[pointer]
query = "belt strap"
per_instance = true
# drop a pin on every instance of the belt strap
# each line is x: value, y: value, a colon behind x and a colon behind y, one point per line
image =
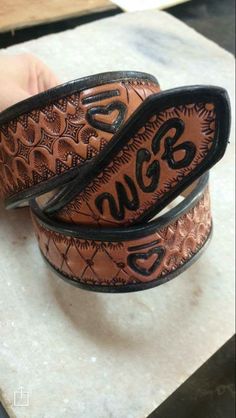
x: 128, y: 259
x: 172, y: 139
x: 45, y: 140
x: 97, y: 159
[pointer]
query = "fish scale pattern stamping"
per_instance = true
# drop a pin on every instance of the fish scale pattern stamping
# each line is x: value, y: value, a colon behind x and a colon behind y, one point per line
x: 49, y: 141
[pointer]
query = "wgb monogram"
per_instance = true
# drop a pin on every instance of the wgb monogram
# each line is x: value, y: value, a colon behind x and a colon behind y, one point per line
x: 171, y: 146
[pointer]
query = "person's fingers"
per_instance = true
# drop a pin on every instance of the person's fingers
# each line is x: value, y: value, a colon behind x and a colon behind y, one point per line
x: 13, y: 70
x: 22, y: 76
x: 41, y: 77
x: 12, y: 95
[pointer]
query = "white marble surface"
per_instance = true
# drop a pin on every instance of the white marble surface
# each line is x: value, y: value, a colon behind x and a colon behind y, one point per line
x: 86, y: 355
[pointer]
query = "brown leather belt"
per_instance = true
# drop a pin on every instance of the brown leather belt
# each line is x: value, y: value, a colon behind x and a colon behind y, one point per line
x: 45, y: 140
x: 98, y: 158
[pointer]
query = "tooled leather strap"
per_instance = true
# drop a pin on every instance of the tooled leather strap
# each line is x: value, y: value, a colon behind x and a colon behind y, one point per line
x: 47, y: 139
x: 93, y: 227
x: 128, y: 259
x: 172, y: 139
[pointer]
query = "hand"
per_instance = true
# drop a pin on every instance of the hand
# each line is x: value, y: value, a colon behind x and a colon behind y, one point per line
x: 22, y: 76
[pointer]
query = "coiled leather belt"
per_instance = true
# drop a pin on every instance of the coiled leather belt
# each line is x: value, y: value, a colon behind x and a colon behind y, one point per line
x: 98, y: 158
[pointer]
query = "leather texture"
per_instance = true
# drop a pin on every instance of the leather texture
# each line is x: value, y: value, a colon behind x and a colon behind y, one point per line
x: 98, y: 158
x: 132, y: 264
x: 50, y: 140
x: 125, y: 179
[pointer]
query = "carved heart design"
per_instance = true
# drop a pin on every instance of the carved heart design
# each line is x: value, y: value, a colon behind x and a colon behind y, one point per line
x: 106, y: 111
x: 134, y: 259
